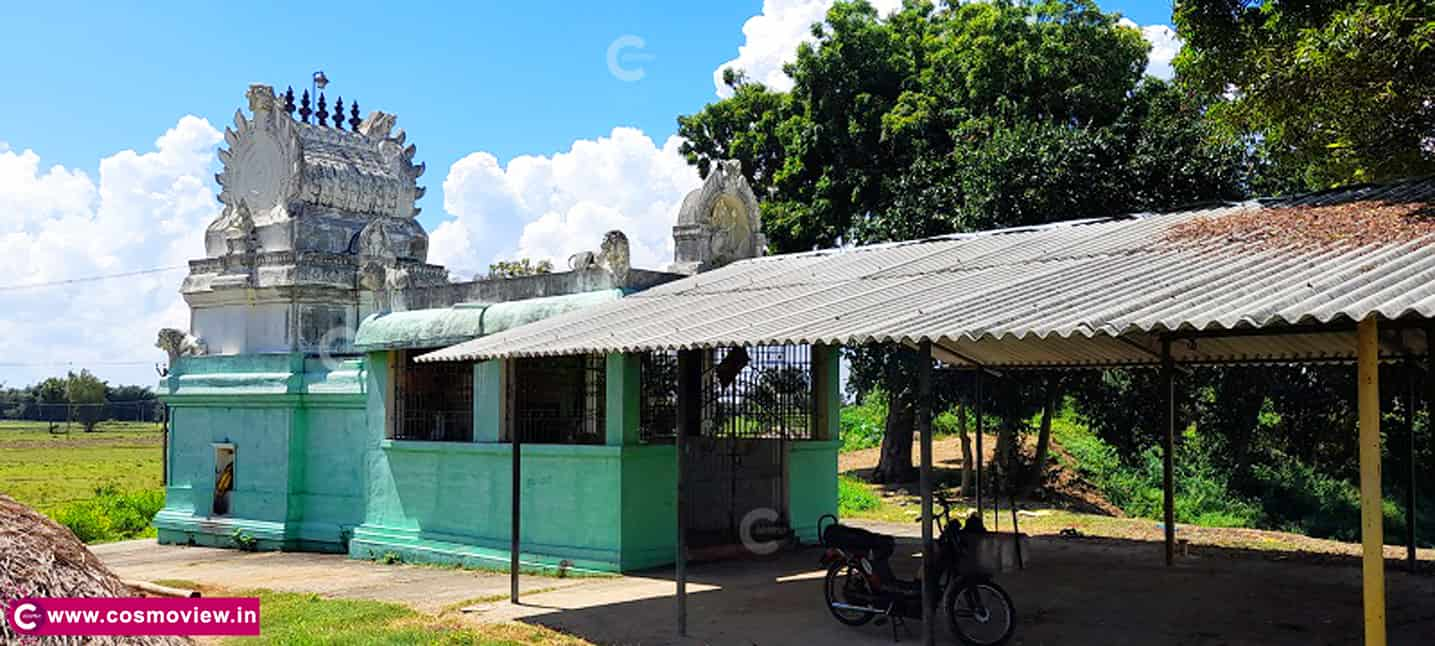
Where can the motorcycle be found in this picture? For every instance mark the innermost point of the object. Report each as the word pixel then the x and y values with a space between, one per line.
pixel 861 586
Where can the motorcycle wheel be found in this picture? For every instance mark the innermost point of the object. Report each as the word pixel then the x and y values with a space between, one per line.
pixel 980 613
pixel 845 584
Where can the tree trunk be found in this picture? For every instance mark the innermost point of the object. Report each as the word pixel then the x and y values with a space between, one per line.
pixel 966 450
pixel 1043 439
pixel 895 463
pixel 1002 457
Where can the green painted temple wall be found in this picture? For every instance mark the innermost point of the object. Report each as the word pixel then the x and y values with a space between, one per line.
pixel 314 470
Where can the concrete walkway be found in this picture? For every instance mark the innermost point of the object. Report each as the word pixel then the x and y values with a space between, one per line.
pixel 1077 591
pixel 428 589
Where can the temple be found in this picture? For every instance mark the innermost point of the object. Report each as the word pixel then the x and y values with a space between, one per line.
pixel 299 419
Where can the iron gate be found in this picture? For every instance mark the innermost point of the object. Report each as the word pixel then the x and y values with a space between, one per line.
pixel 755 401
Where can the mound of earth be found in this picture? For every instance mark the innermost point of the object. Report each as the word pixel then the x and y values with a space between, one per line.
pixel 1061 486
pixel 41 558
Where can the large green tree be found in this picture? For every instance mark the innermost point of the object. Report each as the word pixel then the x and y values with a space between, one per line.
pixel 1337 91
pixel 959 117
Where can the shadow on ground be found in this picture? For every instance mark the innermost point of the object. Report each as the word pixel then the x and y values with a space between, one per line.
pixel 1076 591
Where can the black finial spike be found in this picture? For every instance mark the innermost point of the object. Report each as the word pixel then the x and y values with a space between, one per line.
pixel 304 110
pixel 354 119
pixel 339 113
pixel 323 112
pixel 289 101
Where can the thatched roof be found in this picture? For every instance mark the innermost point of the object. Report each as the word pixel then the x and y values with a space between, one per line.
pixel 41 558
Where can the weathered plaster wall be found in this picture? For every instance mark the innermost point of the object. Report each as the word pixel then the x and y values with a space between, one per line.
pixel 293 422
pixel 604 508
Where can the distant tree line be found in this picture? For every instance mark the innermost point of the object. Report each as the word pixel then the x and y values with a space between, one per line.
pixel 81 398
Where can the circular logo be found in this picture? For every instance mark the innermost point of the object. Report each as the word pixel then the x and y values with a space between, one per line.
pixel 26 617
pixel 749 521
pixel 616 58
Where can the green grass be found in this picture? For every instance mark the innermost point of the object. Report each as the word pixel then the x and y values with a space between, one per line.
pixel 103 485
pixel 293 618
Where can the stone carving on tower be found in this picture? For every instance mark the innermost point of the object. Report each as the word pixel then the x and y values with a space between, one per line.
pixel 312 212
pixel 718 223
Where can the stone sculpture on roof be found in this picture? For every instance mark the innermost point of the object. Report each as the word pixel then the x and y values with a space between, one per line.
pixel 718 223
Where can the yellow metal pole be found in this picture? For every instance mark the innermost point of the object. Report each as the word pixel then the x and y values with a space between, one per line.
pixel 1371 531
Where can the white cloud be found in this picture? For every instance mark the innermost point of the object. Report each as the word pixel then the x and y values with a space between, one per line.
pixel 772 38
pixel 147 210
pixel 561 204
pixel 1165 44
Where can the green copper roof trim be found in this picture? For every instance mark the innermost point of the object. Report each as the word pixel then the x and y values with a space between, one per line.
pixel 466 321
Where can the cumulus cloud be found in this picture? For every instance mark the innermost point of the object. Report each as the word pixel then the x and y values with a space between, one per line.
pixel 147 210
pixel 560 204
pixel 771 39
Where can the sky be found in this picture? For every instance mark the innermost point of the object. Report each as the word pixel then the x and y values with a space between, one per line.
pixel 542 125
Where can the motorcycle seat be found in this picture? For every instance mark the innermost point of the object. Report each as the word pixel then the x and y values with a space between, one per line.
pixel 858 539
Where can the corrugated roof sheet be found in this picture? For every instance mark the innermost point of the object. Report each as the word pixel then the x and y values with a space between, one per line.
pixel 1082 293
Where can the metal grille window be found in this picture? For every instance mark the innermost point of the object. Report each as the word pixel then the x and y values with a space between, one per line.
pixel 433 401
pixel 560 400
pixel 658 404
pixel 759 392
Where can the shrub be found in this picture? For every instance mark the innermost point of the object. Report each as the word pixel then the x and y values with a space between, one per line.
pixel 853 496
pixel 862 424
pixel 112 515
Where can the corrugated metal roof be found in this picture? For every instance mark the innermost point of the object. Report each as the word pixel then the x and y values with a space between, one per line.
pixel 1082 293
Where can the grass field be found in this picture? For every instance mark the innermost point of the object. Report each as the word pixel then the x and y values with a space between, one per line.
pixel 103 485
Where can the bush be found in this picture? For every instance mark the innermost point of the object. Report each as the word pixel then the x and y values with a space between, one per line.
pixel 853 496
pixel 112 515
pixel 862 424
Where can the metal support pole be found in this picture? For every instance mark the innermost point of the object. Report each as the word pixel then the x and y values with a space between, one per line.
pixel 1168 449
pixel 1410 387
pixel 517 442
pixel 981 430
pixel 690 378
pixel 924 426
pixel 1372 537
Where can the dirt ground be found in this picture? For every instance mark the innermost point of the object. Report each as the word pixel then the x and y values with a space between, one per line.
pixel 1077 591
pixel 1074 592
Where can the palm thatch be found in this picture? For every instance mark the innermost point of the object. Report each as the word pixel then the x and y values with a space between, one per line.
pixel 40 558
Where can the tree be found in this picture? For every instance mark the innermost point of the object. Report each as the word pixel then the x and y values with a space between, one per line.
pixel 960 117
pixel 521 267
pixel 86 394
pixel 1337 91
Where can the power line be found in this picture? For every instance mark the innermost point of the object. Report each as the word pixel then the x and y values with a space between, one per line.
pixel 90 279
pixel 51 364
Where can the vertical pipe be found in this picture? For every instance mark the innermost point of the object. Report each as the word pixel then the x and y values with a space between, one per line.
pixel 1411 558
pixel 924 426
pixel 1168 449
pixel 1372 537
pixel 981 415
pixel 689 418
pixel 517 441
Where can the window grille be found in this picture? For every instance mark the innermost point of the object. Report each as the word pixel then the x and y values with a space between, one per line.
pixel 434 401
pixel 560 400
pixel 770 396
pixel 658 406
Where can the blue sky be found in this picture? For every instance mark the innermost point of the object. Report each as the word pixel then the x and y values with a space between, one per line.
pixel 476 85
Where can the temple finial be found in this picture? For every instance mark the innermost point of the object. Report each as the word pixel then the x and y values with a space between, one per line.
pixel 339 113
pixel 354 119
pixel 304 110
pixel 289 101
pixel 323 112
